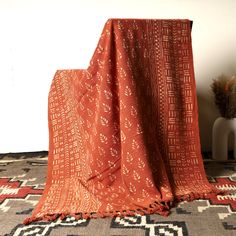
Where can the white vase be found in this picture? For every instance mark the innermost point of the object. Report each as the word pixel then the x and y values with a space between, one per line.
pixel 222 127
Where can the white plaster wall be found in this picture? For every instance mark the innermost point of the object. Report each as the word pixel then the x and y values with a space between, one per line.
pixel 39 37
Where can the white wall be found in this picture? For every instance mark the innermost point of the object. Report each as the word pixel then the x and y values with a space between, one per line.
pixel 39 37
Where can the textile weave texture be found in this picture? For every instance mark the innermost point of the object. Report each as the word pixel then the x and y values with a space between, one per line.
pixel 22 180
pixel 123 134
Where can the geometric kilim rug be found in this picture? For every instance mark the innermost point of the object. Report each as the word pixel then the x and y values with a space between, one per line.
pixel 22 180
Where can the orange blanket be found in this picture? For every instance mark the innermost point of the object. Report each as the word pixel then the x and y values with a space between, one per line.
pixel 124 136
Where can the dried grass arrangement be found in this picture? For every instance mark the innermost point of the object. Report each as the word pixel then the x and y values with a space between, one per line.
pixel 224 89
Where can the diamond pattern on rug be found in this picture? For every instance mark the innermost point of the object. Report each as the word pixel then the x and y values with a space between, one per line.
pixel 229 199
pixel 23 179
pixel 149 226
pixel 45 228
pixel 10 188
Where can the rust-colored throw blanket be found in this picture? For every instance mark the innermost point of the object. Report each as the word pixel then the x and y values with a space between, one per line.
pixel 124 135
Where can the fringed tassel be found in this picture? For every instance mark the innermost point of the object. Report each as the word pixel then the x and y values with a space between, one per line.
pixel 46 217
pixel 153 208
pixel 161 208
pixel 194 196
pixel 31 219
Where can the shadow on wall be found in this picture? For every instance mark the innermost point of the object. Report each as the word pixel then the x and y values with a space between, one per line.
pixel 207 114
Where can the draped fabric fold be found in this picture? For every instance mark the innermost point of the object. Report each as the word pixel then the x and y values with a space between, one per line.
pixel 123 134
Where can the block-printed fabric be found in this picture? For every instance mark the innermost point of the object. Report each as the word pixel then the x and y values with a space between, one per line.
pixel 124 135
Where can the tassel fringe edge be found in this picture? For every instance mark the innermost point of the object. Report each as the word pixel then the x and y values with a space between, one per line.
pixel 161 208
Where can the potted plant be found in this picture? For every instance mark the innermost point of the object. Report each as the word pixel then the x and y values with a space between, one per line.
pixel 224 89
